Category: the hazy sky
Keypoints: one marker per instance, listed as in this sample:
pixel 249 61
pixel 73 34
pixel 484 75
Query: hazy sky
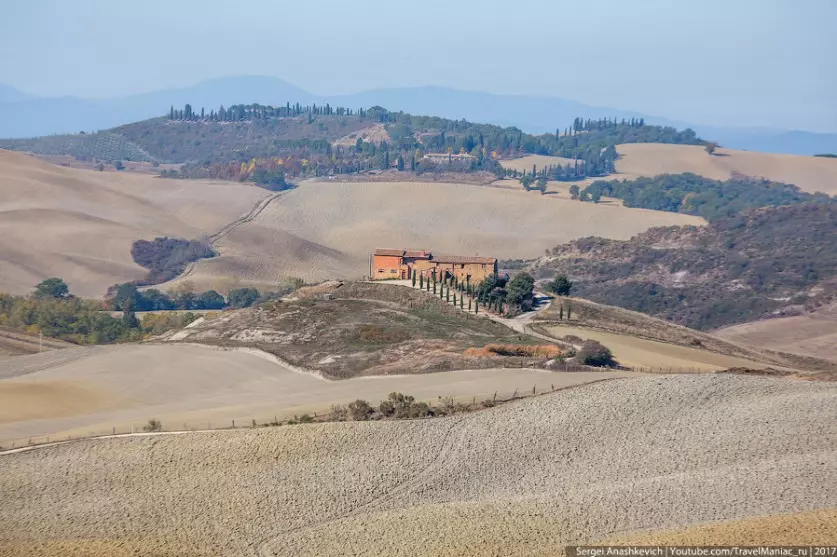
pixel 733 62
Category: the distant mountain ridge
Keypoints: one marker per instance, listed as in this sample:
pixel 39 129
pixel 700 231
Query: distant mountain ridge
pixel 11 94
pixel 23 115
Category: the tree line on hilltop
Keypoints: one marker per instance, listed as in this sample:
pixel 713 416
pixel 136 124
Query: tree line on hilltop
pixel 695 195
pixel 478 147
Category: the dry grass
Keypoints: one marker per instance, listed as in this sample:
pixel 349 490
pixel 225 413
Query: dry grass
pixel 79 224
pixel 811 174
pixel 19 342
pixel 640 353
pixel 647 340
pixel 327 230
pixel 363 329
pixel 373 134
pixel 87 391
pixel 811 334
pixel 546 351
pixel 526 478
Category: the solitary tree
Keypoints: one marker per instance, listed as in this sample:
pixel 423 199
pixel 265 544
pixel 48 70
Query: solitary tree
pixel 52 288
pixel 710 147
pixel 542 184
pixel 560 285
pixel 574 191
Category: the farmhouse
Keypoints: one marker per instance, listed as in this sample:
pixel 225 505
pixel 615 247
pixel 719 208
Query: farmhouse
pixel 441 158
pixel 400 263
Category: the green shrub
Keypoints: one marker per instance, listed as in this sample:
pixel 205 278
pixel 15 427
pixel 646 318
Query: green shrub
pixel 360 410
pixel 153 425
pixel 594 353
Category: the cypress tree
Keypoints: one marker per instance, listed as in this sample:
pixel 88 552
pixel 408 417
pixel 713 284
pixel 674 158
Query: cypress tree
pixel 414 277
pixel 447 295
pixel 561 312
pixel 421 281
pixel 454 298
pixel 469 304
pixel 462 302
pixel 569 311
pixel 476 307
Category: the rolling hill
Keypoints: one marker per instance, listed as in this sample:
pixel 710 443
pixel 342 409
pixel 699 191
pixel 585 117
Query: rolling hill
pixel 80 224
pixel 325 230
pixel 811 333
pixel 23 115
pixel 765 263
pixel 616 459
pixel 810 174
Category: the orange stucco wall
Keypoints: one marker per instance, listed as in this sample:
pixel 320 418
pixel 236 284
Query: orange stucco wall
pixel 385 267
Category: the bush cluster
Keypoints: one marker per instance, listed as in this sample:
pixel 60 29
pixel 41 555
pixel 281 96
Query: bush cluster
pixel 165 258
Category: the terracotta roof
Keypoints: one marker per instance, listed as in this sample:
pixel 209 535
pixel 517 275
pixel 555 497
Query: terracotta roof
pixel 464 259
pixel 395 252
pixel 417 253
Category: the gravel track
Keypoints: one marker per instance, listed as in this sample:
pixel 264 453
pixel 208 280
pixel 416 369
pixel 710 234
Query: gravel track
pixel 585 464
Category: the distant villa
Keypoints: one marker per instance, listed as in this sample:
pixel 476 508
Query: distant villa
pixel 400 263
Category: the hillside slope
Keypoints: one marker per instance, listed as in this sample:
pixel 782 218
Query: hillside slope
pixel 80 224
pixel 94 390
pixel 738 269
pixel 810 174
pixel 581 465
pixel 813 333
pixel 325 230
pixel 642 341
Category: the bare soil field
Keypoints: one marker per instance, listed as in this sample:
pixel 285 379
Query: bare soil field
pixel 80 224
pixel 811 174
pixel 811 334
pixel 86 391
pixel 373 134
pixel 526 478
pixel 325 230
pixel 804 528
